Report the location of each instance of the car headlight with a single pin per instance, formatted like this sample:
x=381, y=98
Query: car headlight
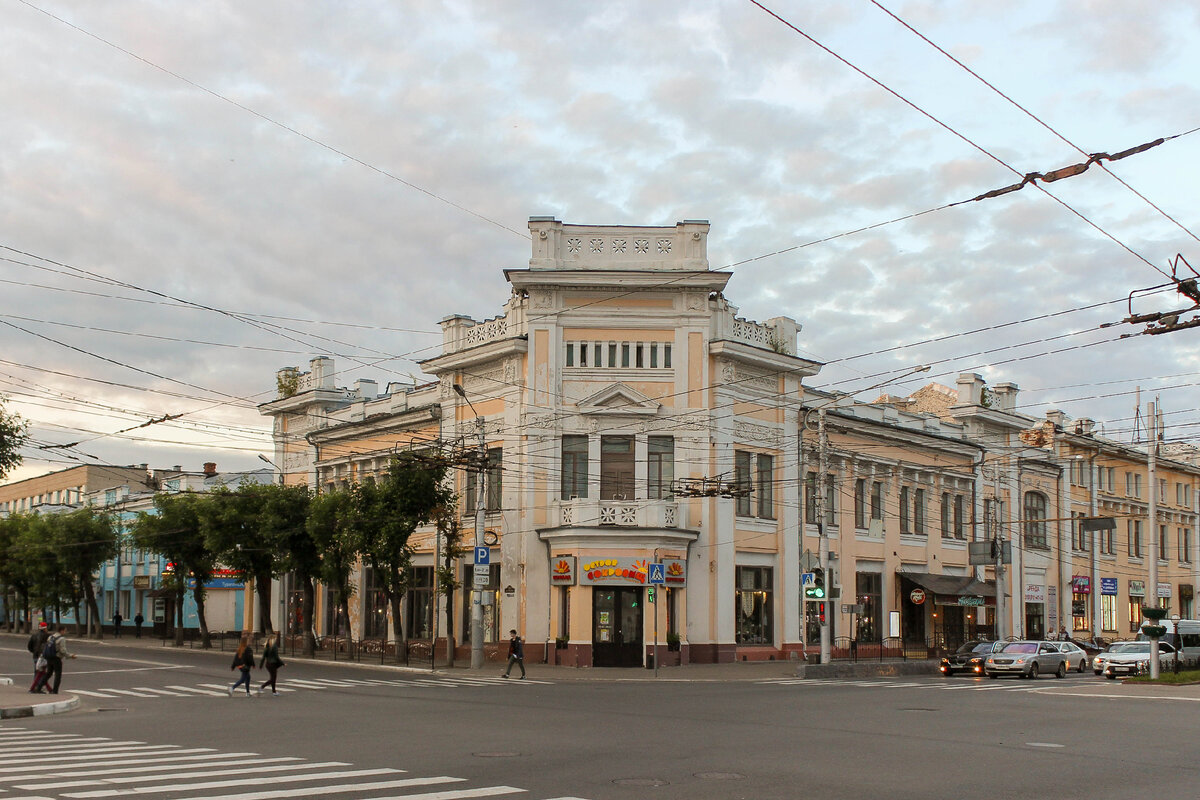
x=1021, y=660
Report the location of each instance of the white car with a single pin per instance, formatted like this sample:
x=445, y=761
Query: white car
x=1132, y=658
x=1077, y=657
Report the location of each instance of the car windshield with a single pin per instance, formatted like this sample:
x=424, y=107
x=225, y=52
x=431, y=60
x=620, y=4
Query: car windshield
x=974, y=647
x=1133, y=647
x=1020, y=647
x=983, y=647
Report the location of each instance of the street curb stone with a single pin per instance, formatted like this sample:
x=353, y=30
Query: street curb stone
x=40, y=709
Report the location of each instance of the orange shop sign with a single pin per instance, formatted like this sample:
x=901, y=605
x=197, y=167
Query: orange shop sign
x=613, y=572
x=675, y=571
x=562, y=570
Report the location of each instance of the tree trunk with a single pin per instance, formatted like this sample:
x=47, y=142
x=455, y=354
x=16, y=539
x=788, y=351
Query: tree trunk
x=179, y=618
x=93, y=608
x=449, y=623
x=263, y=588
x=198, y=595
x=306, y=611
x=395, y=601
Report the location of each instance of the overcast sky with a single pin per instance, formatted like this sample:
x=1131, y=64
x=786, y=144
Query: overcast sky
x=193, y=195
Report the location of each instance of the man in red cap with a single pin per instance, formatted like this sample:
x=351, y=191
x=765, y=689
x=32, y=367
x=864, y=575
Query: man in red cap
x=36, y=644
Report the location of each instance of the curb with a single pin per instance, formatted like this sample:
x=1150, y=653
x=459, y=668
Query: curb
x=40, y=709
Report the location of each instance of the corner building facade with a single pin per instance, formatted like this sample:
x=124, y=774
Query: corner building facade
x=617, y=373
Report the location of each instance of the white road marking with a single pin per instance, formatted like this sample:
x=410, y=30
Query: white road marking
x=129, y=692
x=256, y=769
x=191, y=787
x=49, y=768
x=310, y=791
x=139, y=749
x=141, y=768
x=195, y=690
x=166, y=692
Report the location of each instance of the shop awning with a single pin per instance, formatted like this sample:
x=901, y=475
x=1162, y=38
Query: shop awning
x=953, y=586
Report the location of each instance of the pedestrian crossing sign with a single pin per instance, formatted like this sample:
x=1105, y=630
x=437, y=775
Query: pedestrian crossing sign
x=656, y=575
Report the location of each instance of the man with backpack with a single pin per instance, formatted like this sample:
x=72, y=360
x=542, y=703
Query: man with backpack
x=37, y=643
x=54, y=652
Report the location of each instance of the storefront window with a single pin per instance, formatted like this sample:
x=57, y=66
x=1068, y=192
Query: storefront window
x=753, y=606
x=869, y=594
x=1081, y=612
x=1108, y=613
x=418, y=612
x=1035, y=625
x=375, y=608
x=1135, y=613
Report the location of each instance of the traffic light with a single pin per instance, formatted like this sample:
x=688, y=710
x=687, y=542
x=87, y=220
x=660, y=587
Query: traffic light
x=650, y=595
x=816, y=589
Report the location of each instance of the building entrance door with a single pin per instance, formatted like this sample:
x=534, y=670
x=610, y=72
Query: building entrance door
x=617, y=626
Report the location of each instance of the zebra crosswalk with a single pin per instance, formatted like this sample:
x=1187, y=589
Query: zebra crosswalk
x=938, y=685
x=305, y=685
x=42, y=765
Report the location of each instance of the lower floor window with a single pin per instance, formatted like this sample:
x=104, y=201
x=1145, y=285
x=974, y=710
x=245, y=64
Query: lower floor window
x=869, y=594
x=1081, y=612
x=1108, y=612
x=1135, y=613
x=753, y=606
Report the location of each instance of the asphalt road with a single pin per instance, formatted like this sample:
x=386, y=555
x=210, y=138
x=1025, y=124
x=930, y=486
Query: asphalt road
x=158, y=723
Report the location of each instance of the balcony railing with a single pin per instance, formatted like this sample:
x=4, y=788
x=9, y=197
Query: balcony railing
x=585, y=512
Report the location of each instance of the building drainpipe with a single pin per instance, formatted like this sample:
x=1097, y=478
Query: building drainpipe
x=1097, y=595
x=1066, y=584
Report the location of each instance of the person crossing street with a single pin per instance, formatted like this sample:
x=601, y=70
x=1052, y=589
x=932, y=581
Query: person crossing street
x=516, y=653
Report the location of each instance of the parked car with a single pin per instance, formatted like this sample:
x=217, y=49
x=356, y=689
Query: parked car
x=1028, y=659
x=1093, y=646
x=1183, y=635
x=1134, y=659
x=1100, y=659
x=1077, y=657
x=968, y=658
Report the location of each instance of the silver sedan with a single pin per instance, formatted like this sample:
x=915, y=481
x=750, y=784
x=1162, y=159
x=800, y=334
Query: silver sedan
x=1027, y=659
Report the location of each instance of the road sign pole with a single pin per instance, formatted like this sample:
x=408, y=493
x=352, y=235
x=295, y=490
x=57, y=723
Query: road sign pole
x=656, y=633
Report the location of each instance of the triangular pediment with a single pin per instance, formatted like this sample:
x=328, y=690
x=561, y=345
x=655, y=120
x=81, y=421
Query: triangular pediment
x=618, y=399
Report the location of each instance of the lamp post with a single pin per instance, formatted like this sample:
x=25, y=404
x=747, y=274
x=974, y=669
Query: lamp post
x=271, y=463
x=476, y=594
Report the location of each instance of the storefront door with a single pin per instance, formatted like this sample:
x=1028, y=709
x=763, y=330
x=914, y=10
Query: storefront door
x=617, y=626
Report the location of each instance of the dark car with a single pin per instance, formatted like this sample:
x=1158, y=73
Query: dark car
x=968, y=658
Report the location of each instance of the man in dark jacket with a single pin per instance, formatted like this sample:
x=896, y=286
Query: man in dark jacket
x=37, y=643
x=516, y=653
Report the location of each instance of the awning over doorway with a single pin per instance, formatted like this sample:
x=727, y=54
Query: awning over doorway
x=951, y=586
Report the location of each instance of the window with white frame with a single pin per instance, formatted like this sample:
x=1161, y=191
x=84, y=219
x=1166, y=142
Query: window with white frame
x=1035, y=520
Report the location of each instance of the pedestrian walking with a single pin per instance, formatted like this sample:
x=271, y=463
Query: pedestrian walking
x=54, y=651
x=35, y=646
x=137, y=625
x=117, y=620
x=272, y=662
x=243, y=660
x=516, y=653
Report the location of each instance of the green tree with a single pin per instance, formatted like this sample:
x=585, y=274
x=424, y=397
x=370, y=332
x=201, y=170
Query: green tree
x=175, y=532
x=331, y=526
x=390, y=510
x=85, y=539
x=284, y=524
x=14, y=432
x=17, y=567
x=242, y=532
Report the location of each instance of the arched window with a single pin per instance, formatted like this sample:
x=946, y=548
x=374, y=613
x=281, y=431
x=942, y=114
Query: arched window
x=1035, y=520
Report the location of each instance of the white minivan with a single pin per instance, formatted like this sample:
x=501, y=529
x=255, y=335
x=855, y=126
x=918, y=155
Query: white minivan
x=1184, y=636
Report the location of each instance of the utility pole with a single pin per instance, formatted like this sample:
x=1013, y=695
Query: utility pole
x=823, y=532
x=1152, y=524
x=998, y=553
x=476, y=593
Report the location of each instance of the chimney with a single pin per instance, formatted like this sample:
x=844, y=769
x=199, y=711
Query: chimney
x=1005, y=395
x=177, y=468
x=970, y=389
x=210, y=469
x=1084, y=426
x=1058, y=418
x=367, y=389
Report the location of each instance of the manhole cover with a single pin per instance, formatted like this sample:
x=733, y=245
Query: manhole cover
x=720, y=776
x=640, y=782
x=497, y=755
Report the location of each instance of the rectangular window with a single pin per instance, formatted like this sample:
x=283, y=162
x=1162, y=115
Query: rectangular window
x=583, y=348
x=1135, y=538
x=904, y=520
x=919, y=512
x=1108, y=613
x=1081, y=612
x=945, y=511
x=1108, y=542
x=638, y=352
x=1185, y=545
x=860, y=503
x=1135, y=613
x=570, y=354
x=574, y=478
x=660, y=451
x=612, y=354
x=1163, y=553
x=616, y=468
x=491, y=486
x=653, y=355
x=960, y=526
x=418, y=619
x=869, y=593
x=667, y=356
x=741, y=478
x=766, y=486
x=625, y=354
x=754, y=606
x=877, y=500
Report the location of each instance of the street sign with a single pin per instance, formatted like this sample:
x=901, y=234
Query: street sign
x=852, y=608
x=808, y=579
x=656, y=575
x=480, y=580
x=917, y=596
x=483, y=555
x=483, y=569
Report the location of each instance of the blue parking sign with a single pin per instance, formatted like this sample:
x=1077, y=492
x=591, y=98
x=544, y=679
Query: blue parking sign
x=655, y=576
x=483, y=555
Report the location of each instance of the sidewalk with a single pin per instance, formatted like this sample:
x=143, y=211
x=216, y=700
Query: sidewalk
x=16, y=701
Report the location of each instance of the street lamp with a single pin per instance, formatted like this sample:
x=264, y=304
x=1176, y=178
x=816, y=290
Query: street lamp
x=271, y=463
x=476, y=594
